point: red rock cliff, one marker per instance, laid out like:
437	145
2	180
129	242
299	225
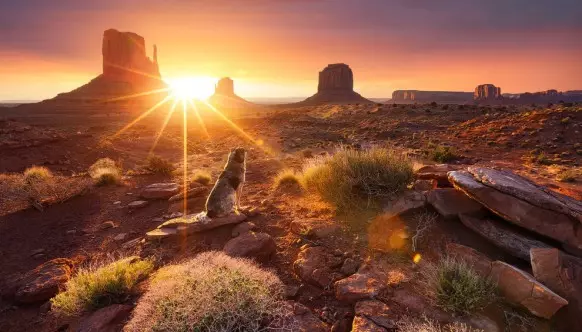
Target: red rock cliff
487	92
225	86
336	77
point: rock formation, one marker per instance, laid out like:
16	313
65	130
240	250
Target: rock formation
126	70
487	93
412	96
336	86
224	96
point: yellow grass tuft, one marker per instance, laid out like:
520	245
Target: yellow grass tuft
159	165
104	171
201	177
98	286
288	180
37	173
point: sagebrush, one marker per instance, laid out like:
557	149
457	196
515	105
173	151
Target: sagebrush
210	293
159	165
288	180
105	171
456	287
101	285
357	179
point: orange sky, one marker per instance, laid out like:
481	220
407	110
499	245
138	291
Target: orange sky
275	49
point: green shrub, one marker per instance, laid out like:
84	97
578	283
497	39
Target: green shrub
569	175
36	173
98	286
352	179
104	171
407	324
159	165
288	180
442	154
456	287
210	293
201	177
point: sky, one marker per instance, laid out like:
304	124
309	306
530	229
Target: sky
275	48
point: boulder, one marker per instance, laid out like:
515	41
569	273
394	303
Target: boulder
42	283
108	319
260	246
504	236
437	173
242	228
349	266
523	203
191	224
520	288
478	261
562	273
373	315
406	202
160	190
313	228
312	266
359	286
450	203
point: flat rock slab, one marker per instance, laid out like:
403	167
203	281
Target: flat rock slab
504	236
359	286
523	203
191	224
260	246
438	173
450	203
562	273
137	204
520	288
43	282
407	202
475	259
160	190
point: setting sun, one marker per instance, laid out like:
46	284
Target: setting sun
192	87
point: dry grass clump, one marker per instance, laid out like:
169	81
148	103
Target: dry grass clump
201	177
210	293
104	171
455	287
441	153
569	175
288	181
98	286
159	165
354	179
37	173
18	192
408	324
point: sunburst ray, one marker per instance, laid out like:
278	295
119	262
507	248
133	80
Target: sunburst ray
166	120
197	113
185	156
136	95
232	124
143	115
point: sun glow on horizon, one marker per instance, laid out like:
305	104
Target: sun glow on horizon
192	87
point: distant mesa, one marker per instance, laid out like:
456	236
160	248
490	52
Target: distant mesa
126	70
487	92
417	96
336	86
225	97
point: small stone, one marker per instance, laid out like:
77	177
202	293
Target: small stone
120	237
36	252
137	204
255	245
243	228
158	220
349	267
106	225
116	202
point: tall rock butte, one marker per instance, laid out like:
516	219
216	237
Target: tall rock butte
335	86
225	97
487	92
125	59
126	70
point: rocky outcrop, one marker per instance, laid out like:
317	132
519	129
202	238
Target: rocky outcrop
450	203
562	273
359	286
523	203
125	59
504	236
335	86
416	96
487	92
438	173
315	266
299	318
372	316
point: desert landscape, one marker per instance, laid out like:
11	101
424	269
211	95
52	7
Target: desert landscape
134	203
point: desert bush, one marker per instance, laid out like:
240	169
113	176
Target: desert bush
288	180
104	171
210	293
36	173
159	165
201	177
408	324
569	175
441	153
455	287
101	285
356	179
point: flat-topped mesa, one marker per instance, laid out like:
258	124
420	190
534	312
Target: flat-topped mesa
125	59
412	96
336	77
224	86
487	92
